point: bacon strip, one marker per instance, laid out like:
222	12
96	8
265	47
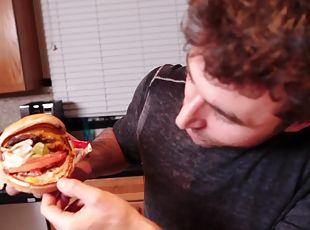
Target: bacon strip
39	162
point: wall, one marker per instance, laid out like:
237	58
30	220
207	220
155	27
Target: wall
9	104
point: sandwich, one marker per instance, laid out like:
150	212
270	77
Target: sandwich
36	151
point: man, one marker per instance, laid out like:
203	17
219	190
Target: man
224	144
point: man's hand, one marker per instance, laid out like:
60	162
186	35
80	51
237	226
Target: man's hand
93	209
10	190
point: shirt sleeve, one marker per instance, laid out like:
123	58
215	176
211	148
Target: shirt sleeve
298	218
125	128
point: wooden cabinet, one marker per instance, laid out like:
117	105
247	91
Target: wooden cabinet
20	63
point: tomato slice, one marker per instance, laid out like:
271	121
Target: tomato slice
39	162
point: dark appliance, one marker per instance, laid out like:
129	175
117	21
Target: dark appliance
54	107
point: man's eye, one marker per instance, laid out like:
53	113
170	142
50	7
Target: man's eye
220	117
189	78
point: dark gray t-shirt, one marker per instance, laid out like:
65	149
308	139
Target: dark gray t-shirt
190	187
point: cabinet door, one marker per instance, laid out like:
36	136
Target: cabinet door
20	62
11	79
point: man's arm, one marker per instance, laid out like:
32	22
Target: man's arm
106	158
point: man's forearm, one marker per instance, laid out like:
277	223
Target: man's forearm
105	159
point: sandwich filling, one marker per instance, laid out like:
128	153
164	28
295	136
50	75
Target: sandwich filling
35	153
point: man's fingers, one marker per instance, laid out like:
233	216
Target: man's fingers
36	195
75	206
11	191
52	212
75	188
62	201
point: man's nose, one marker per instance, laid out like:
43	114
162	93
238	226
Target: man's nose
192	114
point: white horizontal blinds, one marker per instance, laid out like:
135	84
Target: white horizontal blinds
99	50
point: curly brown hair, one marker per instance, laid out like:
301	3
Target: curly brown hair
262	43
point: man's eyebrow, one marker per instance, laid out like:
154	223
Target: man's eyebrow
189	75
228	115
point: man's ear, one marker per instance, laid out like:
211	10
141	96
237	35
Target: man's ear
295	127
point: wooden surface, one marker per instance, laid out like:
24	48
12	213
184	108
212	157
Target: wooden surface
130	189
29	43
20	63
10	61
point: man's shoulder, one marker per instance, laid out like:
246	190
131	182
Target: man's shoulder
297	140
170	73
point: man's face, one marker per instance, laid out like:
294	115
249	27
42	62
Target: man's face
214	115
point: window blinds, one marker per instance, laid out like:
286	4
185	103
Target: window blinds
99	50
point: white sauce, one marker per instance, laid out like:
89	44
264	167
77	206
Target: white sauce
18	154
